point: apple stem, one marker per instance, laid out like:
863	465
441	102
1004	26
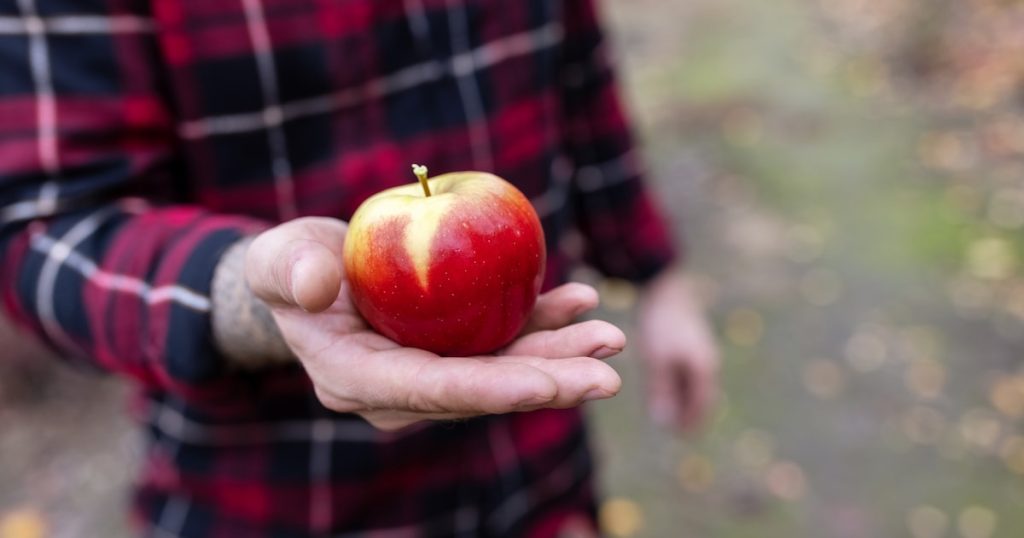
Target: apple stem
421	174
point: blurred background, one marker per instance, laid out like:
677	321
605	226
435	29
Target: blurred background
850	178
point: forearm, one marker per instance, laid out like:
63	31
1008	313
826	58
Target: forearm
243	328
625	231
125	287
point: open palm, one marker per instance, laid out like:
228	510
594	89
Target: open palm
296	269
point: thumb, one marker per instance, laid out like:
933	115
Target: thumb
298	263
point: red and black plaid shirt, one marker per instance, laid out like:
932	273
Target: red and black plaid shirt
140	138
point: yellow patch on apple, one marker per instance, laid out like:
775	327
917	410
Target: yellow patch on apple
424	214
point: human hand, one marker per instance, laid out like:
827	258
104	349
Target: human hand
680	352
296	269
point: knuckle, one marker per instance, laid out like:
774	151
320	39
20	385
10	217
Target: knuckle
428	394
419	401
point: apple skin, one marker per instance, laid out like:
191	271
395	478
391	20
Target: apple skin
456	273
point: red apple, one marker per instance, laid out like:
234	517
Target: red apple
452	265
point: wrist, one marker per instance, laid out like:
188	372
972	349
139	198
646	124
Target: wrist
670	281
244	329
672	290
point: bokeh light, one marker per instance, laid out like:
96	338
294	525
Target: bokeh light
1012	452
1007	396
786	480
991	258
980	428
823	378
925	378
977	522
744	327
696	473
866	350
754	448
23	523
621	517
927	522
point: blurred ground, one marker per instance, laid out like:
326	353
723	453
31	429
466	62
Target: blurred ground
850	176
68	450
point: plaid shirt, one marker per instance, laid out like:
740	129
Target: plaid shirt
140	138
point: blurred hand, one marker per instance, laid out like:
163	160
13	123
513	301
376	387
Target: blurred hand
296	269
680	352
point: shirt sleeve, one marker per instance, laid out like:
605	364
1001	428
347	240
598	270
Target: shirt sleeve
98	257
625	233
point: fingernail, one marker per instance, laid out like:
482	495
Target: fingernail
604	352
534	400
295	277
596	394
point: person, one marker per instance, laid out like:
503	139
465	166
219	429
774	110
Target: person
174	181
